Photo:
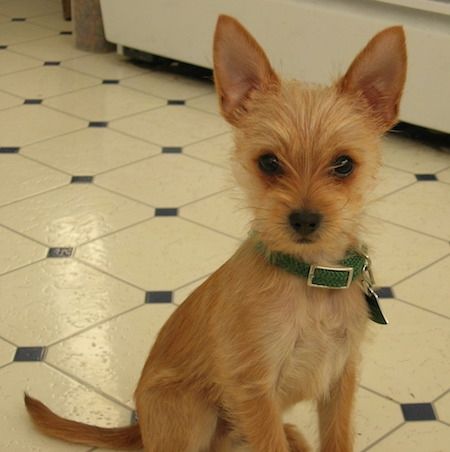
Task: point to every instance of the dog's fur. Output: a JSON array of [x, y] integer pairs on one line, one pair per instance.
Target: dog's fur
[[253, 339]]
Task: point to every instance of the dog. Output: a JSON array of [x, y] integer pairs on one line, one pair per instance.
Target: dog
[[269, 329]]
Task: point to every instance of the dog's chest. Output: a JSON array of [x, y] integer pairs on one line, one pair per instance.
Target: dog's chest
[[314, 364], [321, 345]]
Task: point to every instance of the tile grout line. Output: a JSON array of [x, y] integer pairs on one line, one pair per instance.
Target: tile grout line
[[95, 325], [239, 240], [10, 94], [193, 107], [21, 268], [382, 197], [109, 121], [32, 21], [80, 130], [43, 140], [116, 231], [18, 52], [110, 190], [77, 245], [411, 172], [214, 115], [198, 159], [141, 160], [28, 41], [407, 228], [112, 275], [55, 35], [87, 385], [421, 269], [191, 282], [54, 168], [5, 365], [443, 169], [202, 140], [9, 49], [163, 145], [126, 77], [441, 396], [379, 394], [203, 198], [34, 195], [57, 10], [13, 344], [54, 95], [384, 437], [422, 308], [141, 91]]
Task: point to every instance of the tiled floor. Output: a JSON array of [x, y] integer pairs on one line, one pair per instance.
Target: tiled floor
[[114, 205]]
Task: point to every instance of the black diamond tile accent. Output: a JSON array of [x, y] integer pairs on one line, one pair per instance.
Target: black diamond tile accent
[[158, 297], [9, 150], [133, 418], [29, 354], [32, 101], [3, 47], [172, 150], [110, 82], [425, 177], [385, 292], [65, 32], [18, 19], [166, 212], [60, 252], [52, 63], [418, 412], [82, 179], [98, 124], [175, 102]]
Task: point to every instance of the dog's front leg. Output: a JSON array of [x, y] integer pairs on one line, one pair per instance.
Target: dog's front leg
[[259, 421], [335, 413]]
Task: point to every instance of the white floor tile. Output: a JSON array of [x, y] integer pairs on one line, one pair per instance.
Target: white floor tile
[[58, 298], [172, 126], [72, 215], [41, 123], [21, 178], [90, 151], [45, 81]]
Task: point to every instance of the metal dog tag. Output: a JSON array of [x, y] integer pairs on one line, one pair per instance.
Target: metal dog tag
[[376, 314]]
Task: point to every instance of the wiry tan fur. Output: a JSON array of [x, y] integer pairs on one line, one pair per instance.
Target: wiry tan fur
[[253, 340]]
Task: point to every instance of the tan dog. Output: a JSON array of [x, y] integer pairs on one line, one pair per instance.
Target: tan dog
[[258, 336]]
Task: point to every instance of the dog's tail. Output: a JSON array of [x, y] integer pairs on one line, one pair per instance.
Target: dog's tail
[[75, 432]]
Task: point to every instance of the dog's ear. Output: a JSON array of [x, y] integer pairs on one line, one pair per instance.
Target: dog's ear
[[377, 76], [240, 68]]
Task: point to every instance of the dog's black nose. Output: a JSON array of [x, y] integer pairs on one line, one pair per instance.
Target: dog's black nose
[[305, 222]]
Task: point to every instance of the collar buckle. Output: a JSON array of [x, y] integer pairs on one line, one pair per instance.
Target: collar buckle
[[368, 279], [313, 276]]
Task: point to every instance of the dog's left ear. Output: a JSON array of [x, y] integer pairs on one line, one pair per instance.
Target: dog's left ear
[[241, 68], [377, 76]]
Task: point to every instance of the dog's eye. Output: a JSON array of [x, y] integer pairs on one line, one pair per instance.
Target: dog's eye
[[343, 166], [269, 164]]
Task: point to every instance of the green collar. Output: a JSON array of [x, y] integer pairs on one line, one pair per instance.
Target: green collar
[[349, 269], [356, 266]]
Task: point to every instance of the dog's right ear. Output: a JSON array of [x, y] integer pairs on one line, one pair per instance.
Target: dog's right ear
[[240, 68]]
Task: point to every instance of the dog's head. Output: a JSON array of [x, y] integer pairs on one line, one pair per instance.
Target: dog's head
[[307, 156]]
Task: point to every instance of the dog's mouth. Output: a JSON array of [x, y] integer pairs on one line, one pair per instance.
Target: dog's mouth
[[304, 241]]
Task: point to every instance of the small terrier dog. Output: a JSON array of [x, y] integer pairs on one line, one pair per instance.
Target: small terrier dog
[[268, 329]]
